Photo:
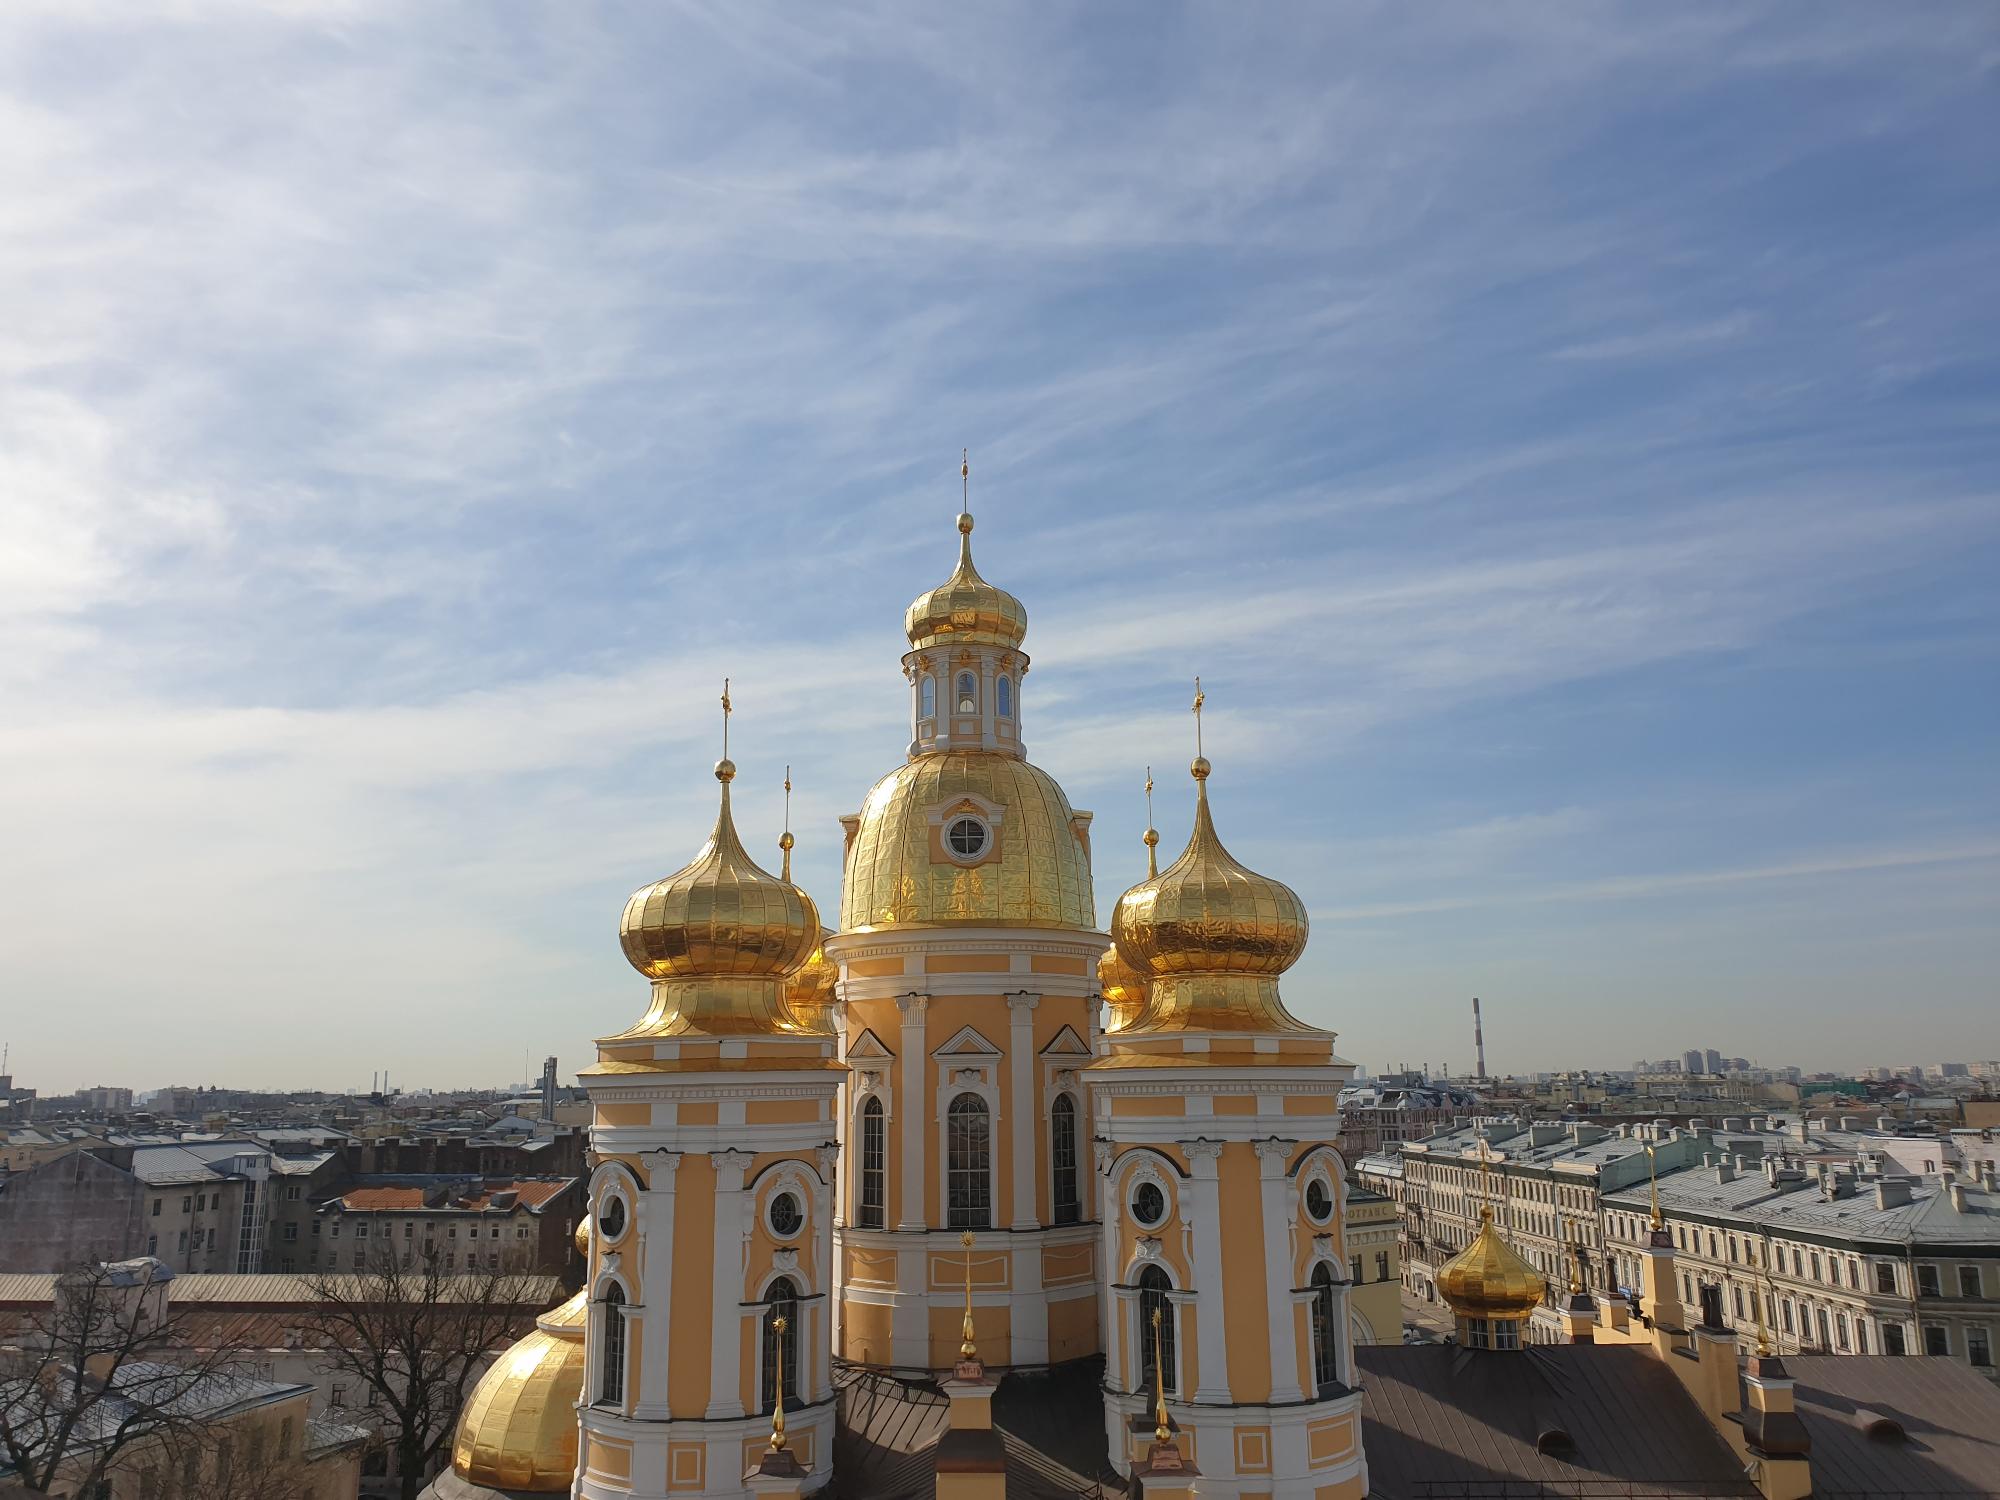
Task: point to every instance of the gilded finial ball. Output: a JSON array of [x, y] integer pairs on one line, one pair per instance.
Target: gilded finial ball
[[1152, 837], [1199, 770], [725, 770], [785, 841], [965, 523]]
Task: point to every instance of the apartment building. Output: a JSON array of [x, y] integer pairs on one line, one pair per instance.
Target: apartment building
[[514, 1224], [1832, 1258], [1375, 1265]]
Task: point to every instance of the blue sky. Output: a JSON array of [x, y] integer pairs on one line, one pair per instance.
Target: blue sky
[[1563, 438]]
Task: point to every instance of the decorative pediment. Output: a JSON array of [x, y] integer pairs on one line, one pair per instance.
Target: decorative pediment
[[966, 1042], [967, 802], [1066, 1043], [867, 1044]]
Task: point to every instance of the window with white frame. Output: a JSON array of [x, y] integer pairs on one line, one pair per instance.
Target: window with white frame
[[1325, 1331], [1156, 1344], [781, 1349], [968, 1164], [1065, 1202], [868, 1212], [611, 1373]]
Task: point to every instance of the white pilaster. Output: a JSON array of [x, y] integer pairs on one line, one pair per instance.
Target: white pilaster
[[725, 1353], [656, 1227], [1021, 1067], [1272, 1158], [1110, 1319], [819, 1378], [1204, 1208], [909, 1098]]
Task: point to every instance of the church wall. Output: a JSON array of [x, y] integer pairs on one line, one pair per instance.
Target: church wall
[[1245, 1298], [694, 1271]]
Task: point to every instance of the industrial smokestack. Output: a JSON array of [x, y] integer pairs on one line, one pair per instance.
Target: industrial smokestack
[[1478, 1038]]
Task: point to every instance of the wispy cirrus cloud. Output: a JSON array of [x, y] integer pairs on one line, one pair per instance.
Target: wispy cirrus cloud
[[408, 415]]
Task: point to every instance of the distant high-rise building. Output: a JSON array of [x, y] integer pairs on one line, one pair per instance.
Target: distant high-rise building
[[1691, 1061], [1711, 1061]]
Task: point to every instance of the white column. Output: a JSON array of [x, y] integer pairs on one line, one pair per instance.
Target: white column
[[1272, 1158], [725, 1351], [910, 1098], [1203, 1214], [1109, 1316], [987, 707], [819, 1379], [656, 1280], [1021, 1063]]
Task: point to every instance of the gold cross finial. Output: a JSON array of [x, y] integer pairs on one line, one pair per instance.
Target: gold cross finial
[[1152, 833], [1575, 1263], [785, 838], [778, 1326], [967, 1350], [1199, 698], [727, 708], [1485, 1177], [965, 479], [1652, 1179], [1161, 1432]]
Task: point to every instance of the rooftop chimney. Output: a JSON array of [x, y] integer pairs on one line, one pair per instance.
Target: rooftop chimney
[[1892, 1192], [1958, 1197]]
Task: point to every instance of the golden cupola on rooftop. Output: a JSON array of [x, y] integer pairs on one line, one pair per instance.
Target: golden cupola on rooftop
[[1490, 1288], [1210, 937], [719, 938], [810, 992], [965, 609], [517, 1432]]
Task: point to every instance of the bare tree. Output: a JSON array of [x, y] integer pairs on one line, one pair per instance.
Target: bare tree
[[85, 1382], [416, 1337]]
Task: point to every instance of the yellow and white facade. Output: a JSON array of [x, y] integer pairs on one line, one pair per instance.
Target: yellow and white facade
[[810, 1124]]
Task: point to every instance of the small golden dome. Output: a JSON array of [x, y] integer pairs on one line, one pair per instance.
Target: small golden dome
[[719, 916], [1487, 1279], [810, 992], [1123, 988], [965, 608], [1037, 873], [1211, 937], [518, 1429]]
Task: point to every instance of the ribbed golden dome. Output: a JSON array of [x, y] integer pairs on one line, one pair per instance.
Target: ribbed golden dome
[[810, 992], [1487, 1279], [1211, 937], [718, 938], [965, 608], [1123, 988], [518, 1429], [1036, 874]]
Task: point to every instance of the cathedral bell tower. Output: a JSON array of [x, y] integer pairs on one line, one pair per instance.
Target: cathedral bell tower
[[710, 1273], [967, 956], [1223, 1199]]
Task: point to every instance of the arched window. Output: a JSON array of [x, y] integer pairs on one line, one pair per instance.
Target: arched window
[[968, 1159], [1325, 1331], [873, 1177], [1064, 1207], [611, 1382], [781, 1301], [1003, 698], [1156, 1347], [968, 693], [927, 697]]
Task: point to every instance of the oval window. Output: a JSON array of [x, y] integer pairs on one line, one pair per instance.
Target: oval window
[[1319, 1202], [1149, 1204], [611, 1218], [966, 838], [785, 1216]]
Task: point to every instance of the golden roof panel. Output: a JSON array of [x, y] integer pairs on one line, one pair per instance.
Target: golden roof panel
[[1038, 874], [1123, 988], [518, 1429]]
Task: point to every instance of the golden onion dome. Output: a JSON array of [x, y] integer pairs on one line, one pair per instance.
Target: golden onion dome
[[810, 992], [1211, 937], [1034, 870], [1487, 1279], [718, 938], [720, 914], [965, 608], [518, 1428], [1123, 988]]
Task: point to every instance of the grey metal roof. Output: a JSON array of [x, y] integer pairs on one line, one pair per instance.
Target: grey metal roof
[[1950, 1418], [1798, 1206]]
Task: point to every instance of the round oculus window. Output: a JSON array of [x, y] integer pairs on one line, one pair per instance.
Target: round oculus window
[[1149, 1204], [611, 1218], [785, 1216], [966, 838], [1319, 1202]]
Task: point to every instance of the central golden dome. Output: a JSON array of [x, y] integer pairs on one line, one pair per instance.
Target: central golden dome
[[518, 1429], [810, 992], [1488, 1279], [1034, 873], [965, 608], [1211, 937]]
